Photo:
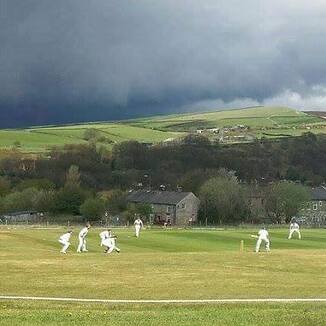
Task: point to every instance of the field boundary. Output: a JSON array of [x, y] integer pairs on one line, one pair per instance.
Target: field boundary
[[165, 301]]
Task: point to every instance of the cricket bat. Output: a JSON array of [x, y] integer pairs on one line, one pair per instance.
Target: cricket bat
[[254, 236]]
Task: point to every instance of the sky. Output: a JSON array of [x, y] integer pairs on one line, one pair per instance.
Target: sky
[[79, 60]]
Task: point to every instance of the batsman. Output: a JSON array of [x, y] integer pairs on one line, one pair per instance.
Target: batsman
[[262, 236]]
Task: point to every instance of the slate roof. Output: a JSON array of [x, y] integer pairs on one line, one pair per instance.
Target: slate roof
[[318, 193], [157, 197]]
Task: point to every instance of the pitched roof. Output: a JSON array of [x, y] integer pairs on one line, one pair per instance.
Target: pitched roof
[[157, 197], [318, 193]]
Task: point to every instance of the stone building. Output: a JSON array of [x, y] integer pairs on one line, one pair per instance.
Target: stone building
[[315, 212], [175, 207]]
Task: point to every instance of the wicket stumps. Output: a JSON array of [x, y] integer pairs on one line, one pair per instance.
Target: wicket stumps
[[241, 245]]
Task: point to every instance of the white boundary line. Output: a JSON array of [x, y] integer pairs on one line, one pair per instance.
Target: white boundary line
[[256, 300]]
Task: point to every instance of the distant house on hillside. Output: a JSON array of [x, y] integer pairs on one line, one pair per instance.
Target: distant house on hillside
[[214, 130], [315, 213], [174, 206]]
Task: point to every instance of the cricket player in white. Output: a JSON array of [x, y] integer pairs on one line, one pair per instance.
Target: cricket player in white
[[138, 225], [294, 227], [105, 235], [110, 244], [262, 236], [82, 238], [64, 240]]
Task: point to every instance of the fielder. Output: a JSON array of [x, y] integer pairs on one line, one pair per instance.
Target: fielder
[[110, 244], [294, 227], [105, 235], [263, 236], [64, 240], [138, 225], [82, 238]]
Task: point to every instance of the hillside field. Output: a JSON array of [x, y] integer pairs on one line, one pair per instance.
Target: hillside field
[[256, 117], [270, 122], [162, 264]]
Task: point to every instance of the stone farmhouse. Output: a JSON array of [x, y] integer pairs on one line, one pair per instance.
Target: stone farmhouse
[[315, 213], [173, 207]]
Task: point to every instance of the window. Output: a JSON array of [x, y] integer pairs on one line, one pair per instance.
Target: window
[[314, 206], [168, 209], [320, 203], [183, 205]]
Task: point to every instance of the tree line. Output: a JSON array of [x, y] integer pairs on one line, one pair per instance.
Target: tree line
[[83, 179]]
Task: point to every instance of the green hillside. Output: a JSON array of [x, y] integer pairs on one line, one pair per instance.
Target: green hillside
[[254, 122], [257, 117], [43, 138]]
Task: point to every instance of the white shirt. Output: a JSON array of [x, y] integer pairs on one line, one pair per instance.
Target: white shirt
[[105, 234], [138, 223], [83, 232], [263, 234], [294, 226], [65, 237]]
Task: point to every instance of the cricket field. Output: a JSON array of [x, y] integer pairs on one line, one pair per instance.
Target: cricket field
[[172, 264]]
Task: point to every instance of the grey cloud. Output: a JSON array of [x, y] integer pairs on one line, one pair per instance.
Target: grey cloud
[[75, 60]]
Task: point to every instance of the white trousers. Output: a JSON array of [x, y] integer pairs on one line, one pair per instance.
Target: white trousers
[[110, 244], [82, 244], [294, 230], [65, 244], [259, 243], [137, 230]]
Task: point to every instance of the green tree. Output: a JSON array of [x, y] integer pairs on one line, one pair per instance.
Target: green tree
[[144, 210], [5, 186], [21, 200], [44, 201], [284, 199], [116, 202], [223, 200], [17, 144], [130, 155], [35, 183], [196, 140], [73, 177], [68, 200], [92, 208], [91, 134]]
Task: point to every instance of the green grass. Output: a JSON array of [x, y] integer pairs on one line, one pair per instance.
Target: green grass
[[43, 138], [32, 141], [14, 313], [162, 264], [256, 117], [156, 129]]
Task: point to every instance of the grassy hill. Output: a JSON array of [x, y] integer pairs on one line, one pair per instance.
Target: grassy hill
[[257, 122], [257, 118], [43, 138]]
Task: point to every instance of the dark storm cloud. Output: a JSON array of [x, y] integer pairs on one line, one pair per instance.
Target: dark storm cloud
[[78, 60]]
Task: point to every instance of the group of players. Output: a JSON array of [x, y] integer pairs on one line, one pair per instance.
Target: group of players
[[263, 235], [108, 239]]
